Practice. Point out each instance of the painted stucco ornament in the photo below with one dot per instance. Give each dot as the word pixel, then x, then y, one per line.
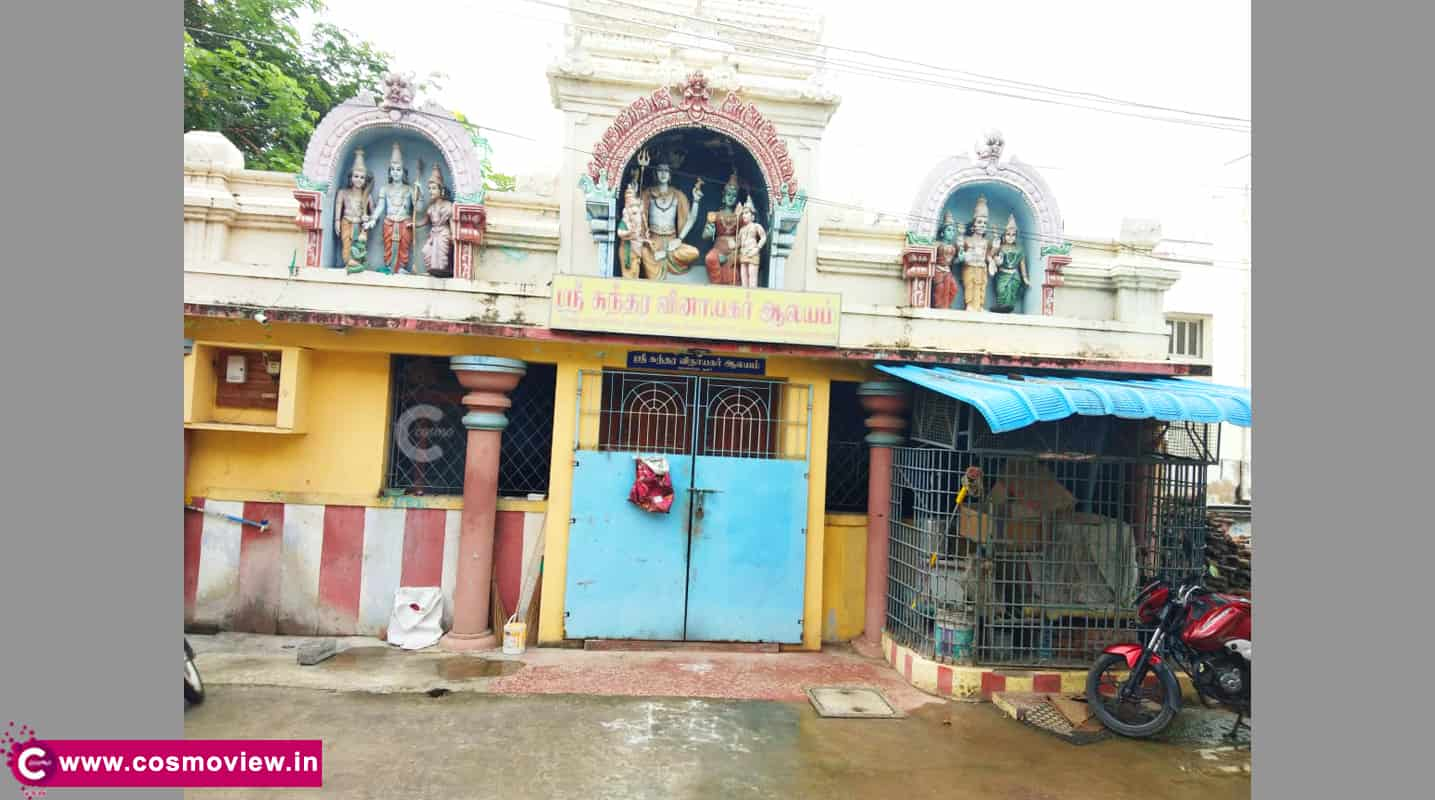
pixel 975 255
pixel 989 149
pixel 399 91
pixel 1009 260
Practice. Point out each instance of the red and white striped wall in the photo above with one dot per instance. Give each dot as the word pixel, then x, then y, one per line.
pixel 331 570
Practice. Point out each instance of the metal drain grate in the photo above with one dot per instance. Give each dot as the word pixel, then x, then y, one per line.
pixel 854 702
pixel 1045 713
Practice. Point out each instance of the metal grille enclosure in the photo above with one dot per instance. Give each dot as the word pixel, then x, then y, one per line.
pixel 1040 564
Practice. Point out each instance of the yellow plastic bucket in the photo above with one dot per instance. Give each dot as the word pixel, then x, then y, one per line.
pixel 515 636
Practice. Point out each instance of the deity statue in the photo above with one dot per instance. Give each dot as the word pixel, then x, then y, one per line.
pixel 1010 263
pixel 751 237
pixel 669 220
pixel 722 228
pixel 398 205
pixel 438 217
pixel 974 253
pixel 353 211
pixel 944 285
pixel 633 232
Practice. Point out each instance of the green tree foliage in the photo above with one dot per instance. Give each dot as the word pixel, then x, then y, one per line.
pixel 248 75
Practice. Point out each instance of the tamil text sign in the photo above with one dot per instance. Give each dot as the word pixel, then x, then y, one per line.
pixel 694 311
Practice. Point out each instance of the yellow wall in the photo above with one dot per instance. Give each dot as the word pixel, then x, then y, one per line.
pixel 343 452
pixel 844 577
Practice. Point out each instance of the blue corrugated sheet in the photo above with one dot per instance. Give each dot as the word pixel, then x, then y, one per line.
pixel 1010 404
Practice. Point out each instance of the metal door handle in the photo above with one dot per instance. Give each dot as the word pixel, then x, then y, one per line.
pixel 704 491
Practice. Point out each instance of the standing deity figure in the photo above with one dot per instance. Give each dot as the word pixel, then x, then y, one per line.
pixel 974 253
pixel 398 205
pixel 439 219
pixel 722 228
pixel 633 231
pixel 944 284
pixel 669 220
pixel 751 237
pixel 353 212
pixel 1010 263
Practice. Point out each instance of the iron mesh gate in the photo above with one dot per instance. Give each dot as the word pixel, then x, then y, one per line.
pixel 1041 562
pixel 726 561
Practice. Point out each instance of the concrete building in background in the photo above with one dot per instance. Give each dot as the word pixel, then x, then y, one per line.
pixel 639 392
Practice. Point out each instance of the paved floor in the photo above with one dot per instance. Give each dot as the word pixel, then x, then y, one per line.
pixel 562 723
pixel 372 666
pixel 470 744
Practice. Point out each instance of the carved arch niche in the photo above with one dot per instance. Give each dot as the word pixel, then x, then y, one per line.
pixel 1010 187
pixel 427 134
pixel 711 142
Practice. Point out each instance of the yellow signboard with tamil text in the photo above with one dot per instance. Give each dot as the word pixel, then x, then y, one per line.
pixel 696 311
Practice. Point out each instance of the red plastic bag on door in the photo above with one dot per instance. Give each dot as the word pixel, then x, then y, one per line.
pixel 652 486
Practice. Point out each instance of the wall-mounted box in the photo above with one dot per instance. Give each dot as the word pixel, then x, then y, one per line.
pixel 269 395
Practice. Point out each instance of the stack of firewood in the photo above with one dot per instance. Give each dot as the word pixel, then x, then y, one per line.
pixel 1230 555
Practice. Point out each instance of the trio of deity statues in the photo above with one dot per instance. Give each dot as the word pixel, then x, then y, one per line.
pixel 978 258
pixel 402 210
pixel 656 219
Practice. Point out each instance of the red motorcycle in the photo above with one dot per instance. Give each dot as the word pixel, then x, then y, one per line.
pixel 1133 690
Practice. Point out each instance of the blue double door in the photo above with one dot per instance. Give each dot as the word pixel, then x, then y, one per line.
pixel 727 563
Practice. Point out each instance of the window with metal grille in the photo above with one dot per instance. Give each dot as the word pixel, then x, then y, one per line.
pixel 527 451
pixel 1186 336
pixel 846 450
pixel 428 442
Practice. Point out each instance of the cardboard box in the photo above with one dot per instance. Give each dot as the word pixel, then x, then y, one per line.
pixel 1032 487
pixel 1022 527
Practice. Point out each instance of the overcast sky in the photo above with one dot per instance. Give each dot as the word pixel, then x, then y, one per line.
pixel 886 134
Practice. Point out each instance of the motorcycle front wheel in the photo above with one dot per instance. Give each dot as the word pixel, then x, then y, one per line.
pixel 193 685
pixel 1147 712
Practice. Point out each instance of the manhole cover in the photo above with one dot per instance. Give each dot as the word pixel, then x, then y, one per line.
pixel 861 702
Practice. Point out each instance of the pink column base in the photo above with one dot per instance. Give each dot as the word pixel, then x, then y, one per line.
pixel 467 643
pixel 879 503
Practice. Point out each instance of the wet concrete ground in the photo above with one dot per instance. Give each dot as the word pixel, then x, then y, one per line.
pixel 471 744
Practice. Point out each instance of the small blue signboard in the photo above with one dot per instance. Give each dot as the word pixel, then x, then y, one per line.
pixel 734 365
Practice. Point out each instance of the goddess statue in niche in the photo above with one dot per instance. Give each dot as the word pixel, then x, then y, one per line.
pixel 944 285
pixel 722 228
pixel 439 219
pixel 353 211
pixel 1010 263
pixel 974 253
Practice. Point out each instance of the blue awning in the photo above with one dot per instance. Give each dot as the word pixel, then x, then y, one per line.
pixel 1010 404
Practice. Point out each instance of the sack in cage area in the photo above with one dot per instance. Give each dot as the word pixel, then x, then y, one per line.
pixel 1090 561
pixel 652 485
